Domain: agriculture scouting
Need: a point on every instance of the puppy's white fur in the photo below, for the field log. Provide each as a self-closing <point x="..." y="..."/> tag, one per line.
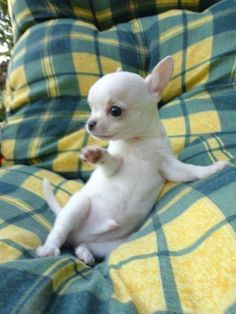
<point x="129" y="174"/>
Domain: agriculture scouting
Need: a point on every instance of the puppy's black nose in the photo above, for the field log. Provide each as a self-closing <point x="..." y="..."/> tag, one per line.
<point x="91" y="124"/>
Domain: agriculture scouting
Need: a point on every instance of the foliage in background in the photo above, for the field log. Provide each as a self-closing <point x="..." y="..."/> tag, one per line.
<point x="6" y="42"/>
<point x="6" y="39"/>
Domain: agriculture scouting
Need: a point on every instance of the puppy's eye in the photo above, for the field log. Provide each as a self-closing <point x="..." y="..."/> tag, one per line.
<point x="115" y="111"/>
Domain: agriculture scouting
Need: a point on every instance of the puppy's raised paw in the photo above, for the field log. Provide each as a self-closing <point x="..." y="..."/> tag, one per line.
<point x="93" y="154"/>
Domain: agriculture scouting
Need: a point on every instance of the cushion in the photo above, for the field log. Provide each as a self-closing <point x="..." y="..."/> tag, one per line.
<point x="56" y="62"/>
<point x="102" y="14"/>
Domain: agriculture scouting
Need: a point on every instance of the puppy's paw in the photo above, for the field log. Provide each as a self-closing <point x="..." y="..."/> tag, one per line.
<point x="219" y="165"/>
<point x="93" y="154"/>
<point x="46" y="251"/>
<point x="210" y="170"/>
<point x="84" y="254"/>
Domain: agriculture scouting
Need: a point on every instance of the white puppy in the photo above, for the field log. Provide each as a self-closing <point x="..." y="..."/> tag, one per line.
<point x="129" y="174"/>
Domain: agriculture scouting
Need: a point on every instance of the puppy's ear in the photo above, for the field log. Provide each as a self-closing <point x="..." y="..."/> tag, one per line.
<point x="119" y="69"/>
<point x="160" y="76"/>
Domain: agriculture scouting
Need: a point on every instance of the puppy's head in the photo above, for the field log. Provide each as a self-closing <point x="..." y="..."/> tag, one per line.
<point x="123" y="104"/>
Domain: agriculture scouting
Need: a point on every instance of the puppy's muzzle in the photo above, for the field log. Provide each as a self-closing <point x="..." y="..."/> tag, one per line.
<point x="91" y="124"/>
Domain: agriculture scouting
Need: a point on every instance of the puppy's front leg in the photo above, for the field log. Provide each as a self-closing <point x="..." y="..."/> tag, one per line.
<point x="70" y="217"/>
<point x="177" y="171"/>
<point x="109" y="164"/>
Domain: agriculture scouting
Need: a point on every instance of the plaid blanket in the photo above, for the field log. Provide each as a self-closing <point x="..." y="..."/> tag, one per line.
<point x="183" y="258"/>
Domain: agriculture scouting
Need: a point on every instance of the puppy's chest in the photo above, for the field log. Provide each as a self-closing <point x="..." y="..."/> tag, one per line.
<point x="135" y="185"/>
<point x="141" y="168"/>
<point x="141" y="163"/>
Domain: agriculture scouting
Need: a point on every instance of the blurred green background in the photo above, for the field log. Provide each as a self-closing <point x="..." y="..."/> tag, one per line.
<point x="6" y="43"/>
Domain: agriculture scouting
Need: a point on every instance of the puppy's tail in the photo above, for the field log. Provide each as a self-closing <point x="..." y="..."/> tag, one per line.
<point x="50" y="197"/>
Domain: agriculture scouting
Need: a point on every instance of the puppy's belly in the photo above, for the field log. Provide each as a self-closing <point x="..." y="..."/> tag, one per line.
<point x="127" y="204"/>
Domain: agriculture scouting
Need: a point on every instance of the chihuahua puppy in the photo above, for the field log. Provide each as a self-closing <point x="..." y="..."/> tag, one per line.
<point x="129" y="174"/>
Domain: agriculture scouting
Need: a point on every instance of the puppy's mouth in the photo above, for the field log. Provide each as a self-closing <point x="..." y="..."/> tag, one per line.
<point x="102" y="136"/>
<point x="98" y="132"/>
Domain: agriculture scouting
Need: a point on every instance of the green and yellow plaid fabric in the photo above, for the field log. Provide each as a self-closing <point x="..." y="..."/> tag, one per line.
<point x="103" y="14"/>
<point x="183" y="258"/>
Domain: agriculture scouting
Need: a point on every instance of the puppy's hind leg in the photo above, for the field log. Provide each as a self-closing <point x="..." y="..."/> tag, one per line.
<point x="84" y="254"/>
<point x="70" y="217"/>
<point x="102" y="249"/>
<point x="177" y="171"/>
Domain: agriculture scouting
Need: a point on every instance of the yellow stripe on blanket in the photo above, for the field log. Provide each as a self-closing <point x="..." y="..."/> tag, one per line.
<point x="85" y="82"/>
<point x="21" y="89"/>
<point x="63" y="193"/>
<point x="197" y="240"/>
<point x="50" y="74"/>
<point x="174" y="199"/>
<point x="85" y="62"/>
<point x="198" y="62"/>
<point x="187" y="228"/>
<point x="70" y="283"/>
<point x="83" y="12"/>
<point x="140" y="283"/>
<point x="62" y="275"/>
<point x="19" y="236"/>
<point x="67" y="161"/>
<point x="137" y="278"/>
<point x="73" y="141"/>
<point x="8" y="253"/>
<point x="7" y="148"/>
<point x="204" y="122"/>
<point x="36" y="183"/>
<point x="174" y="87"/>
<point x="146" y="245"/>
<point x="17" y="99"/>
<point x="205" y="277"/>
<point x="217" y="149"/>
<point x="26" y="208"/>
<point x="109" y="65"/>
<point x="175" y="126"/>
